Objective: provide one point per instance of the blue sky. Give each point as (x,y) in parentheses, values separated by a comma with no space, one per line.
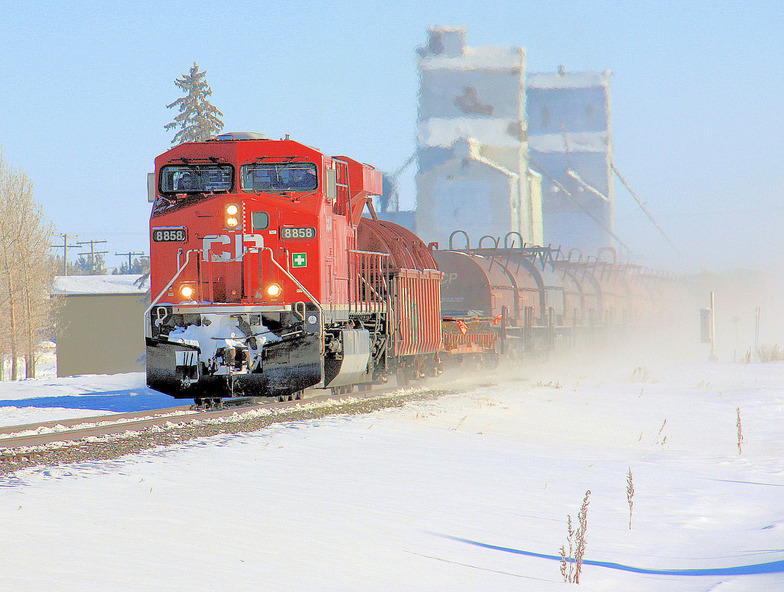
(696,91)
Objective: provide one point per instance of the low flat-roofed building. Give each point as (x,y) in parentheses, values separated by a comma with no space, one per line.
(100,327)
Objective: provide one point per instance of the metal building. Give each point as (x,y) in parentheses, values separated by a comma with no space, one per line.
(100,329)
(570,144)
(472,160)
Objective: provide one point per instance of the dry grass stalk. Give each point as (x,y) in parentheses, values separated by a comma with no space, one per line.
(572,563)
(661,429)
(770,353)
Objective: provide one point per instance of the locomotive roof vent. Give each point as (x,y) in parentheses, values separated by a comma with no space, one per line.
(241,136)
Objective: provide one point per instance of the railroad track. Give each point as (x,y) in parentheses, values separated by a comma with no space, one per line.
(109,437)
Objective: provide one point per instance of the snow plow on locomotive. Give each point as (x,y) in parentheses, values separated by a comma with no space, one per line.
(266,280)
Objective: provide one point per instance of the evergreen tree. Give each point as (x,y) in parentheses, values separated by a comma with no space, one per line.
(198,119)
(138,266)
(88,264)
(70,269)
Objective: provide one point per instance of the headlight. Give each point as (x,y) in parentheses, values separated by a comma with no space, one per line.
(274,290)
(186,291)
(232,217)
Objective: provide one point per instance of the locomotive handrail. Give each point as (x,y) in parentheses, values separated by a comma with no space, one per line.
(465,234)
(369,253)
(611,250)
(379,296)
(147,326)
(307,293)
(520,260)
(295,280)
(296,312)
(368,267)
(513,233)
(494,248)
(492,238)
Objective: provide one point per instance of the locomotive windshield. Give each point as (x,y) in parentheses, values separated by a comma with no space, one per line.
(287,176)
(196,178)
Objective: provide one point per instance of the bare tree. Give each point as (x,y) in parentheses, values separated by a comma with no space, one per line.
(36,275)
(198,119)
(26,271)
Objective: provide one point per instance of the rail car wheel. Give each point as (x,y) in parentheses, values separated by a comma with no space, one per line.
(490,361)
(342,390)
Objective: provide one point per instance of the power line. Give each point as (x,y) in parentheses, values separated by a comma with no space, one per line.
(644,209)
(576,202)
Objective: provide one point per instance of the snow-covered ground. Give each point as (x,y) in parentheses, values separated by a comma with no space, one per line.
(468,492)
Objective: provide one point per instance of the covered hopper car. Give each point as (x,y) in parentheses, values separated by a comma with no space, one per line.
(527,299)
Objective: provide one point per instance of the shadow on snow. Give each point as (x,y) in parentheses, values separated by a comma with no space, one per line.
(124,401)
(757,568)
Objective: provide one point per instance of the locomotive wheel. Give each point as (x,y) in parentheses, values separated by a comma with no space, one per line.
(207,403)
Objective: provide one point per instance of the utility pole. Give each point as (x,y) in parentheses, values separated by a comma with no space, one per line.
(65,247)
(92,254)
(130,256)
(708,326)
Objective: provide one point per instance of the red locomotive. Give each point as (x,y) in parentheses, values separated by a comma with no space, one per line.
(266,279)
